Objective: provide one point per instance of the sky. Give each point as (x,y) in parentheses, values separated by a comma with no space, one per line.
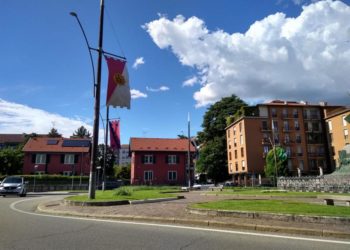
(182,57)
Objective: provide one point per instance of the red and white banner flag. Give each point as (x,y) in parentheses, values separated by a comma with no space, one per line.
(114,135)
(118,91)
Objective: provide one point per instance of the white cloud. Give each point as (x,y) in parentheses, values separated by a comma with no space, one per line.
(305,57)
(137,94)
(190,82)
(161,88)
(138,61)
(17,119)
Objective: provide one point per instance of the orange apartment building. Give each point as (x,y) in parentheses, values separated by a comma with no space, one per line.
(298,127)
(338,132)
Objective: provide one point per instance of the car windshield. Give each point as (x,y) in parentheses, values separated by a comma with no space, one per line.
(12,180)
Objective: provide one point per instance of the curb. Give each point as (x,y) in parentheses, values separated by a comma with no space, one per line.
(202,223)
(270,216)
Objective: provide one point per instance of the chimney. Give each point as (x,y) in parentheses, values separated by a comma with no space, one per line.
(323,103)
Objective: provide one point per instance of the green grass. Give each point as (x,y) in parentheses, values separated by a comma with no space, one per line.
(269,192)
(276,206)
(129,193)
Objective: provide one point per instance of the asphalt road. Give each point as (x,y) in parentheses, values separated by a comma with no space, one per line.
(22,228)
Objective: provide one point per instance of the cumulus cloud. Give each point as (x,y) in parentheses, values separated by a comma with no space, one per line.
(190,82)
(138,61)
(137,94)
(17,119)
(278,57)
(161,88)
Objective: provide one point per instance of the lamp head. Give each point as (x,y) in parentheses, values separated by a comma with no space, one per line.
(73,14)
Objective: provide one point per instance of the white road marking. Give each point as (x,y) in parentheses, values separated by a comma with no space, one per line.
(13,207)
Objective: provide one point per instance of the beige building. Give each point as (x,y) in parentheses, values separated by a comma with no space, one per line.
(338,132)
(298,127)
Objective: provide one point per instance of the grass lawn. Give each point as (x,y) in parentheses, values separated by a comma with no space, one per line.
(277,206)
(129,193)
(270,192)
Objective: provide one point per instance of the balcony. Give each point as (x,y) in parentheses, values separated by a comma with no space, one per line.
(286,130)
(265,129)
(265,141)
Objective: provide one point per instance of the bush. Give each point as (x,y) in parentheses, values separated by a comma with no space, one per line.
(123,191)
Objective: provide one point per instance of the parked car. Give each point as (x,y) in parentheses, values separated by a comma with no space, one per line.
(13,185)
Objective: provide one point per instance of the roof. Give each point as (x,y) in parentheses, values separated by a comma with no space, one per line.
(57,145)
(296,104)
(12,138)
(336,112)
(160,144)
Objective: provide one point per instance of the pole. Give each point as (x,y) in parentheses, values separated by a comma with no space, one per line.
(105,151)
(188,154)
(92,180)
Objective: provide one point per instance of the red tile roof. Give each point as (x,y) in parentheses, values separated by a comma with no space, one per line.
(39,144)
(159,144)
(11,138)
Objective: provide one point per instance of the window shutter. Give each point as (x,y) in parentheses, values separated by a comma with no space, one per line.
(143,159)
(154,159)
(167,159)
(33,158)
(76,159)
(177,159)
(62,158)
(47,158)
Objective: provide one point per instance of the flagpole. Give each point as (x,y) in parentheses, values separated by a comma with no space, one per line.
(105,151)
(188,153)
(92,180)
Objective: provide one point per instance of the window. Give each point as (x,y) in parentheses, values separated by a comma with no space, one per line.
(275,126)
(344,121)
(299,151)
(285,126)
(290,165)
(240,127)
(230,167)
(243,165)
(264,125)
(235,154)
(346,134)
(234,142)
(236,166)
(230,156)
(67,173)
(286,138)
(288,151)
(241,139)
(266,149)
(296,125)
(295,113)
(229,144)
(242,152)
(234,131)
(40,159)
(330,125)
(298,138)
(148,159)
(285,113)
(228,133)
(172,159)
(172,175)
(301,165)
(69,159)
(273,112)
(148,175)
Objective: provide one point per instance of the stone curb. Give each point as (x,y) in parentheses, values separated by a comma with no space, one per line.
(271,216)
(121,202)
(203,223)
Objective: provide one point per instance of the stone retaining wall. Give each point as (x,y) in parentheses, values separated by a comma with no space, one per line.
(327,183)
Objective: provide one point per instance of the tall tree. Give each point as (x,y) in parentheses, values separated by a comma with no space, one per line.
(110,159)
(82,132)
(213,153)
(54,133)
(276,162)
(11,160)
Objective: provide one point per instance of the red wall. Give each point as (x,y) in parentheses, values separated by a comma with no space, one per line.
(160,168)
(55,166)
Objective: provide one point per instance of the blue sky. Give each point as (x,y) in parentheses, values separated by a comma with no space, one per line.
(190,53)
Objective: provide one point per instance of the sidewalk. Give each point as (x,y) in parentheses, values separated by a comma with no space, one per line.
(175,212)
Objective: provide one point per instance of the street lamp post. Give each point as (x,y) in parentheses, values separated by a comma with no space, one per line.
(35,168)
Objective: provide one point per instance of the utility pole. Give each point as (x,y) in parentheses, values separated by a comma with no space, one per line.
(92,181)
(189,154)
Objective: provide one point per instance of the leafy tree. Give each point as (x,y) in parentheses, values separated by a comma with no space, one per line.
(81,132)
(122,172)
(213,154)
(110,159)
(280,162)
(54,133)
(11,160)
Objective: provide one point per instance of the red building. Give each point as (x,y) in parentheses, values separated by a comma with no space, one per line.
(57,156)
(160,161)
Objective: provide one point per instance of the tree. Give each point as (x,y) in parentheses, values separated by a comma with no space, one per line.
(54,133)
(122,172)
(213,153)
(110,159)
(276,159)
(11,160)
(82,132)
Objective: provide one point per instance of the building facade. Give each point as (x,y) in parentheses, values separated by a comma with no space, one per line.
(63,156)
(11,140)
(298,127)
(157,161)
(338,132)
(123,155)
